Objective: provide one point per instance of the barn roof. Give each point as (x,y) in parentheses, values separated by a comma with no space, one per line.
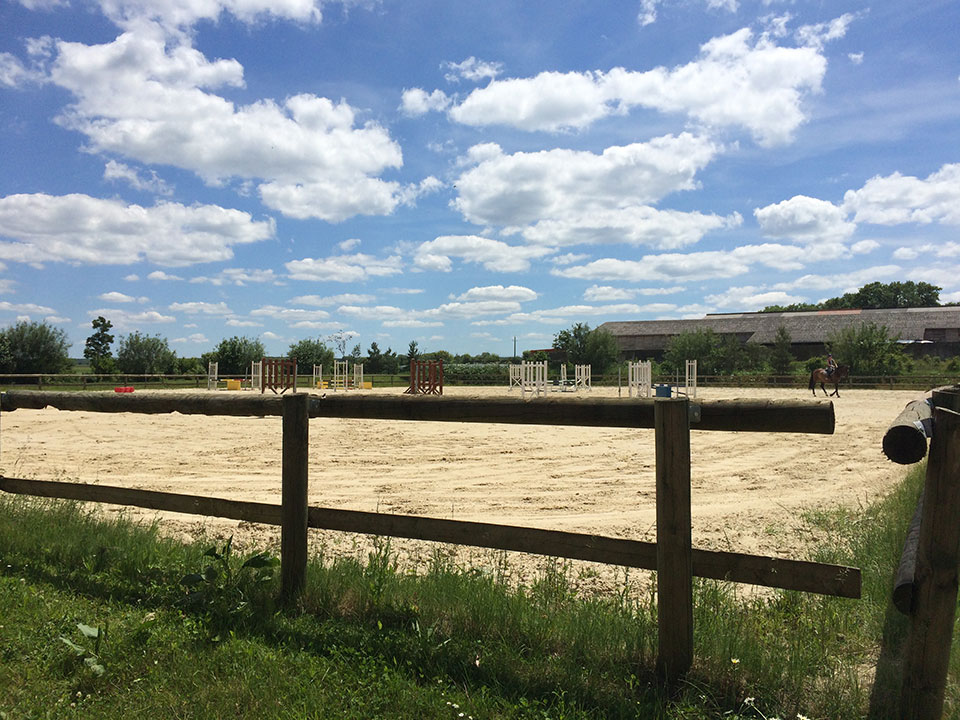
(908,324)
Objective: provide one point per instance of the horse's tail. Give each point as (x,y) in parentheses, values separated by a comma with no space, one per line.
(812,383)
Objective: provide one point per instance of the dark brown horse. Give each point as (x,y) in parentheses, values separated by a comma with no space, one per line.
(820,376)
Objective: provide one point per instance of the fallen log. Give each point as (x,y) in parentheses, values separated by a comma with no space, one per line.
(905,441)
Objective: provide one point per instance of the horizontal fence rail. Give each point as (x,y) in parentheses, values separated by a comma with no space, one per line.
(824,579)
(799,416)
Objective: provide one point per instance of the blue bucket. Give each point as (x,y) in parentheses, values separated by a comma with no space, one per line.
(662,391)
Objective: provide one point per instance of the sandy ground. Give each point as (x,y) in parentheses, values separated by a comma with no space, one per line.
(750,490)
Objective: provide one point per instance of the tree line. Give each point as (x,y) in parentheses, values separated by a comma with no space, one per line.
(40,348)
(873,296)
(869,349)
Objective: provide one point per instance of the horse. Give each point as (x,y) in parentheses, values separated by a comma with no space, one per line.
(820,376)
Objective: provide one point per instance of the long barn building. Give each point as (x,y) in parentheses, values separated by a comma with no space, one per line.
(934,331)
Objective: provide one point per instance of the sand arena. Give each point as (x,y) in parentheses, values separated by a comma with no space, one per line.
(749,490)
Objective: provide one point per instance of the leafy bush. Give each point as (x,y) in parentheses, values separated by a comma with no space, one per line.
(476,374)
(145,355)
(867,349)
(235,354)
(37,347)
(308,353)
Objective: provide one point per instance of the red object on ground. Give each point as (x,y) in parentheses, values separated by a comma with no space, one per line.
(123,389)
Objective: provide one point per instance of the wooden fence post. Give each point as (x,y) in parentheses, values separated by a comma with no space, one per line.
(927,655)
(293,527)
(674,547)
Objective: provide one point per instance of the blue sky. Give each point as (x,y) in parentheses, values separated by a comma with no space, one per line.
(463,174)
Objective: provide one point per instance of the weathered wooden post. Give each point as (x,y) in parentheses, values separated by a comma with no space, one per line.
(674,546)
(293,520)
(927,656)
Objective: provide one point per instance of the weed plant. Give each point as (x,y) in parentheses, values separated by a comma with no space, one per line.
(197,631)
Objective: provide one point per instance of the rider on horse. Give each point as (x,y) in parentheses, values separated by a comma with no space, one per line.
(831,365)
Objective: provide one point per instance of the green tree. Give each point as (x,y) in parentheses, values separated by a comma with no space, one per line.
(413,351)
(781,356)
(6,357)
(339,342)
(796,307)
(191,366)
(535,356)
(308,353)
(888,295)
(732,357)
(601,350)
(234,355)
(391,362)
(868,349)
(145,355)
(97,348)
(37,347)
(700,345)
(573,342)
(374,363)
(442,355)
(873,295)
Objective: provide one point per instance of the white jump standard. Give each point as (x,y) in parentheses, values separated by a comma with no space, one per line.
(640,378)
(212,381)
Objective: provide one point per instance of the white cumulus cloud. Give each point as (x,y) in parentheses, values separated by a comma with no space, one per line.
(521,188)
(516,293)
(147,97)
(493,255)
(415,101)
(343,268)
(804,219)
(897,199)
(200,308)
(737,81)
(84,229)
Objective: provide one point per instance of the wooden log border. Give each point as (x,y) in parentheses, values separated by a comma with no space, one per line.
(782,573)
(793,416)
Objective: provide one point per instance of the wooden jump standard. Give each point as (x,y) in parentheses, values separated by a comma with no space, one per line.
(672,556)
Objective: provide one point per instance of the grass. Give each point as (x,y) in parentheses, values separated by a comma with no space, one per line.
(163,629)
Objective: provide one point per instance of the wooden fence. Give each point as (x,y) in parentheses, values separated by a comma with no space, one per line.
(925,587)
(672,556)
(87,380)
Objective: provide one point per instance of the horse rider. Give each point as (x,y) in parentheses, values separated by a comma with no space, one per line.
(831,365)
